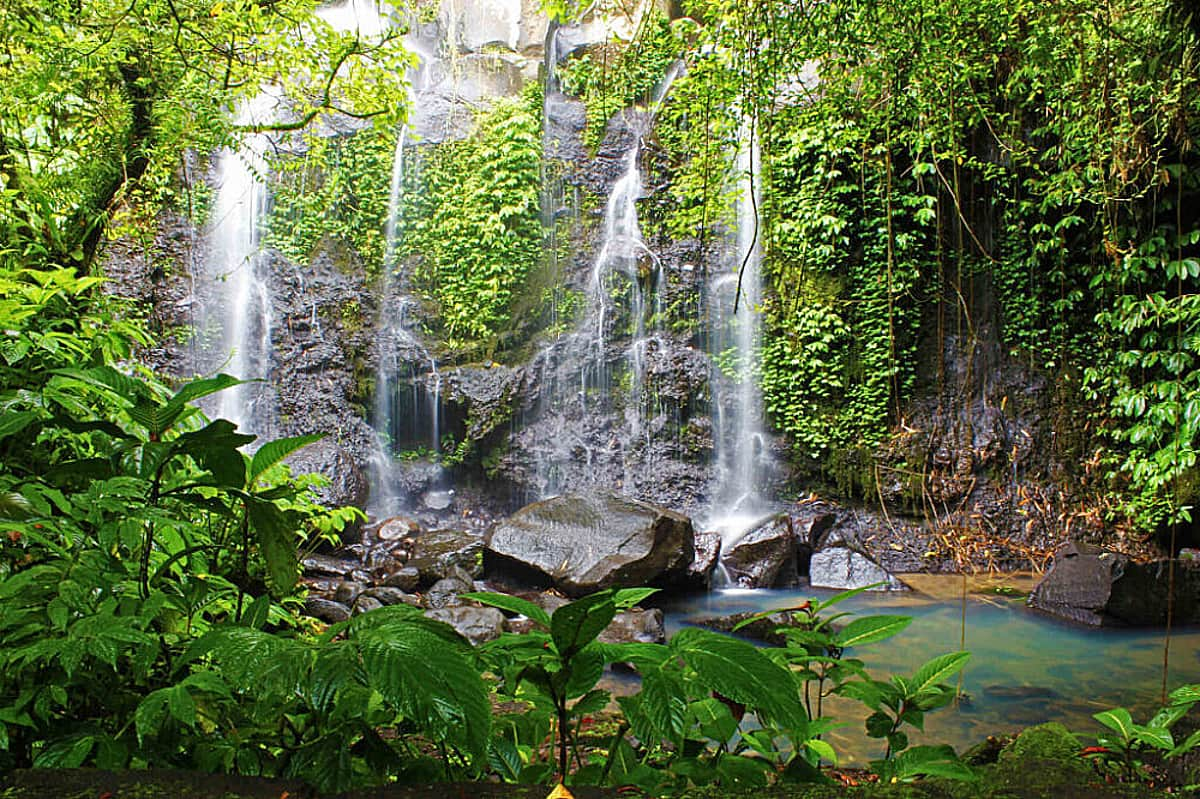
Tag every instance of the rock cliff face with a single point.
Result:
(527, 423)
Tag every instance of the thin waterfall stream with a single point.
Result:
(240, 302)
(739, 439)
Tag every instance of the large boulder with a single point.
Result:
(840, 563)
(1089, 585)
(586, 543)
(765, 557)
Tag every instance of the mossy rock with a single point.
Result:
(1051, 741)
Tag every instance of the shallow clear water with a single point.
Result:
(1025, 668)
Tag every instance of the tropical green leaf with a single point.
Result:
(937, 671)
(13, 422)
(575, 625)
(870, 629)
(513, 604)
(433, 684)
(629, 597)
(664, 701)
(1118, 720)
(737, 670)
(275, 531)
(275, 451)
(924, 761)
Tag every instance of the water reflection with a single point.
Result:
(1025, 668)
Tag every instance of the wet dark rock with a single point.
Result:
(838, 563)
(437, 553)
(328, 565)
(437, 500)
(1021, 692)
(629, 626)
(444, 592)
(707, 546)
(760, 630)
(393, 596)
(477, 625)
(550, 601)
(1090, 585)
(765, 557)
(365, 604)
(347, 483)
(397, 528)
(485, 392)
(406, 579)
(585, 543)
(326, 609)
(347, 592)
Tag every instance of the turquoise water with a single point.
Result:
(1025, 668)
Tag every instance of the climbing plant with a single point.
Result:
(338, 187)
(1023, 181)
(473, 222)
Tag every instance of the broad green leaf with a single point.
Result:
(275, 451)
(181, 705)
(737, 670)
(513, 604)
(13, 422)
(504, 759)
(433, 684)
(924, 761)
(575, 625)
(844, 595)
(194, 390)
(937, 670)
(821, 749)
(1188, 745)
(1118, 720)
(628, 597)
(275, 531)
(664, 701)
(1157, 737)
(714, 719)
(1185, 694)
(870, 629)
(584, 671)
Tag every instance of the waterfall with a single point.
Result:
(739, 441)
(577, 370)
(235, 268)
(399, 411)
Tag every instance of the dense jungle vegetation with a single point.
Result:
(1015, 176)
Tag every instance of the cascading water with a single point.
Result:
(242, 296)
(578, 370)
(401, 410)
(739, 441)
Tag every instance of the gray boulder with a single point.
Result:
(708, 554)
(1089, 585)
(326, 609)
(839, 564)
(477, 625)
(765, 557)
(632, 626)
(586, 543)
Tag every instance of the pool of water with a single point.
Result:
(1025, 668)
